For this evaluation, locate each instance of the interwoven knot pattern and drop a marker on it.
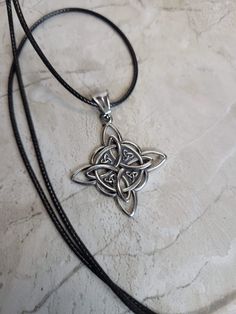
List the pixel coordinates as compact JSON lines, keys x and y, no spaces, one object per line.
{"x":119,"y":169}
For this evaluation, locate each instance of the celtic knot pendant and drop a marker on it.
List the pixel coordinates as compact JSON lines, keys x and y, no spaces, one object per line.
{"x":118,"y":168}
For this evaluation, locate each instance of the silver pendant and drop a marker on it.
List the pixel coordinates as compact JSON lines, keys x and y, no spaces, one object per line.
{"x":118,"y":168}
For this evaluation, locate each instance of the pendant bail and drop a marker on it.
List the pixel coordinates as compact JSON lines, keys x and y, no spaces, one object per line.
{"x":103,"y":104}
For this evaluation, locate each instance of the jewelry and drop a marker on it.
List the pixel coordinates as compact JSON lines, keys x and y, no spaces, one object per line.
{"x":118,"y":168}
{"x":46,"y":193}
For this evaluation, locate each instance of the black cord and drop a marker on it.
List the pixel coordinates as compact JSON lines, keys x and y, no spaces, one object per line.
{"x":57,"y":214}
{"x":57,"y":75}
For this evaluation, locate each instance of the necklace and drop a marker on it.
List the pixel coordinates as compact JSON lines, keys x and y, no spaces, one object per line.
{"x":118,"y":168}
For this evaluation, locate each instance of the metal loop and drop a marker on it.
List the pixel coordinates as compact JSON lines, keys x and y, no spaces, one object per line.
{"x":102,"y":102}
{"x":106,"y":119}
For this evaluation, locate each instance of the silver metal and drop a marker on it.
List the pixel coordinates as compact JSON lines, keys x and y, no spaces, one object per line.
{"x":118,"y":168}
{"x":103,"y":103}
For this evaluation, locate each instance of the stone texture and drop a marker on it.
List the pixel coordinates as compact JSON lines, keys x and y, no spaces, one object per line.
{"x":178,"y":255}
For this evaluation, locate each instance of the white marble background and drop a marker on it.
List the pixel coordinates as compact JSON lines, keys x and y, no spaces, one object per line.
{"x":178,"y":255}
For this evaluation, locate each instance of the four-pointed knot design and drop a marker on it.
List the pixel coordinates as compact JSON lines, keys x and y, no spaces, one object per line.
{"x":119,"y":169}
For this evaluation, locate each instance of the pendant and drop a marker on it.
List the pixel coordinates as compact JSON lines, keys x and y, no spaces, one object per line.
{"x":118,"y":168}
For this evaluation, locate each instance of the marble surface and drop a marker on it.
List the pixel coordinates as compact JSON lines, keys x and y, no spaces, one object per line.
{"x":178,"y":255}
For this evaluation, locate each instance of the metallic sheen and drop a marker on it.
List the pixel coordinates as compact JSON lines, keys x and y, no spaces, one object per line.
{"x":118,"y":168}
